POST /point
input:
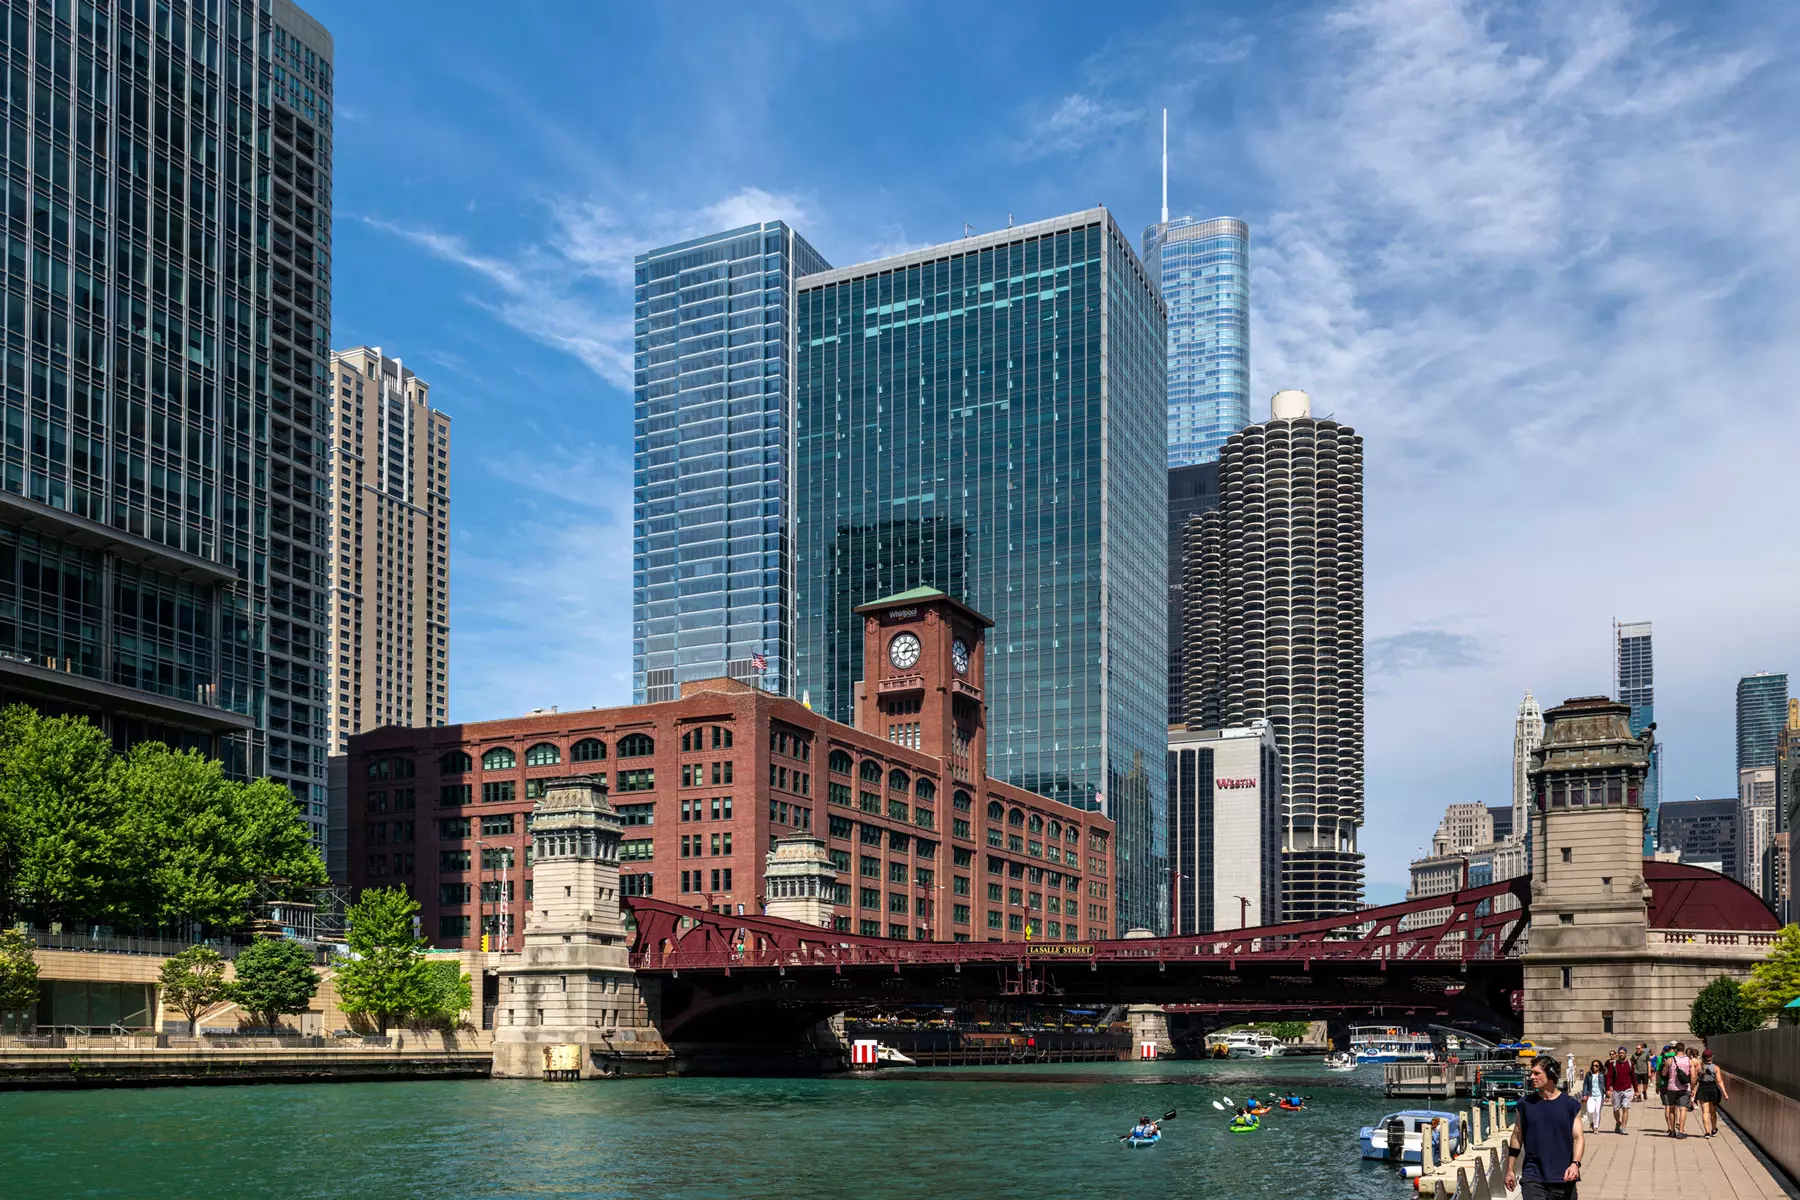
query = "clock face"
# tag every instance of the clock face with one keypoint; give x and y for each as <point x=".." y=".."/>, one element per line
<point x="959" y="656"/>
<point x="903" y="651"/>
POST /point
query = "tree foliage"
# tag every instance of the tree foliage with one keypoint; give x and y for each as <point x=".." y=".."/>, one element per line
<point x="1776" y="979"/>
<point x="18" y="971"/>
<point x="147" y="840"/>
<point x="1720" y="1008"/>
<point x="1289" y="1031"/>
<point x="385" y="977"/>
<point x="275" y="977"/>
<point x="449" y="994"/>
<point x="193" y="981"/>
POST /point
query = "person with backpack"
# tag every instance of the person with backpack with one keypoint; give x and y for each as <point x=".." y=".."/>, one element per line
<point x="1708" y="1091"/>
<point x="1547" y="1135"/>
<point x="1621" y="1086"/>
<point x="1678" y="1082"/>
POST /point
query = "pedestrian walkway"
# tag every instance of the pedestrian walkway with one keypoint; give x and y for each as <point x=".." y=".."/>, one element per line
<point x="1650" y="1165"/>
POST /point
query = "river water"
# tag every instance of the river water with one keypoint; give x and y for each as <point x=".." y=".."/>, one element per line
<point x="1028" y="1132"/>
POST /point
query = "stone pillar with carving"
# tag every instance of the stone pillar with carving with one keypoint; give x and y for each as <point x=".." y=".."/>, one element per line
<point x="799" y="881"/>
<point x="570" y="1001"/>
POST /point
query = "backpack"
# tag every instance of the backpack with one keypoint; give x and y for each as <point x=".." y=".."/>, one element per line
<point x="1678" y="1076"/>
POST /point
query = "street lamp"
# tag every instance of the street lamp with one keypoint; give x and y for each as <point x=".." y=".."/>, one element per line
<point x="506" y="857"/>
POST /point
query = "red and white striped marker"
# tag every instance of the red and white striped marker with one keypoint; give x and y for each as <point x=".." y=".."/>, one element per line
<point x="1146" y="1050"/>
<point x="862" y="1053"/>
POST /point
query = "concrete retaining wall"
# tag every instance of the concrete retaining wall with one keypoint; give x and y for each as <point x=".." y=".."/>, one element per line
<point x="1762" y="1071"/>
<point x="32" y="1068"/>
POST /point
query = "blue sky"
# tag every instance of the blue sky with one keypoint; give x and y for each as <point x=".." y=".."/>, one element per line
<point x="1541" y="255"/>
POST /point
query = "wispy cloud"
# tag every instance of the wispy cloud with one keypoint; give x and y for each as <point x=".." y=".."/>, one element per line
<point x="1076" y="122"/>
<point x="571" y="288"/>
<point x="1423" y="650"/>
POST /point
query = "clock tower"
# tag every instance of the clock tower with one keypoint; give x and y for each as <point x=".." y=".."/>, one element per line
<point x="924" y="663"/>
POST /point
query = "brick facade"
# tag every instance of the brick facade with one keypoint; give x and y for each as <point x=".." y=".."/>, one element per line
<point x="926" y="845"/>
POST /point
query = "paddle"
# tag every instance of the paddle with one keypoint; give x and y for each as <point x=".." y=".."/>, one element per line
<point x="1166" y="1117"/>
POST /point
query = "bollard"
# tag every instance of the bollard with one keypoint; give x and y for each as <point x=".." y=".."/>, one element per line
<point x="1483" y="1190"/>
<point x="1427" y="1150"/>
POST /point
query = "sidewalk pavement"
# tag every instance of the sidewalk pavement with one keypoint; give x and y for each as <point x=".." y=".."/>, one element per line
<point x="1647" y="1164"/>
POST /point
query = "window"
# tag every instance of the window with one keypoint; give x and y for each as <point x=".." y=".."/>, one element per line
<point x="544" y="754"/>
<point x="1015" y="922"/>
<point x="996" y="811"/>
<point x="839" y="793"/>
<point x="840" y="859"/>
<point x="1606" y="1024"/>
<point x="995" y="838"/>
<point x="535" y="789"/>
<point x="637" y="814"/>
<point x="959" y="914"/>
<point x="925" y="848"/>
<point x="869" y="835"/>
<point x="898" y="781"/>
<point x="871" y="770"/>
<point x="1566" y="918"/>
<point x="959" y="827"/>
<point x="636" y="745"/>
<point x="869" y="928"/>
<point x="497" y="792"/>
<point x="453" y="793"/>
<point x="1073" y="836"/>
<point x="899" y="842"/>
<point x="591" y="750"/>
<point x="840" y="762"/>
<point x="897" y="872"/>
<point x="498" y="759"/>
<point x="994" y="893"/>
<point x="1567" y="854"/>
<point x="897" y="810"/>
<point x="923" y="877"/>
<point x="993" y="920"/>
<point x="637" y="885"/>
<point x="962" y="857"/>
<point x="496" y="860"/>
<point x="839" y="827"/>
<point x="450" y="861"/>
<point x="453" y="827"/>
<point x="637" y="849"/>
<point x="868" y="897"/>
<point x="925" y="790"/>
<point x="1016" y="817"/>
<point x="870" y="867"/>
<point x="453" y="927"/>
<point x="643" y="779"/>
<point x="391" y="768"/>
<point x="1568" y="978"/>
<point x="454" y="763"/>
<point x="492" y="826"/>
<point x="924" y="818"/>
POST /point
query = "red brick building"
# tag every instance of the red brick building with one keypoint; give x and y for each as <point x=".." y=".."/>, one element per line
<point x="926" y="845"/>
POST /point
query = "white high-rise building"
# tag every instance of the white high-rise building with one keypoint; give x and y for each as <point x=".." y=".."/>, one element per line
<point x="1528" y="735"/>
<point x="1755" y="824"/>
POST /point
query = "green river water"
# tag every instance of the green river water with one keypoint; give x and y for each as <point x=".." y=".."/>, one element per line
<point x="1029" y="1131"/>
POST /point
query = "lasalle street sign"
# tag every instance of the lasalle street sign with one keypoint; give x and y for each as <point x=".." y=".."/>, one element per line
<point x="1057" y="949"/>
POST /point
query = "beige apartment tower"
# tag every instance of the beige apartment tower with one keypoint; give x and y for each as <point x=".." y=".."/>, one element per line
<point x="390" y="557"/>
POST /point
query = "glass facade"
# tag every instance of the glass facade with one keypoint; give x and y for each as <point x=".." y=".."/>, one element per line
<point x="1761" y="712"/>
<point x="166" y="314"/>
<point x="1203" y="270"/>
<point x="1634" y="681"/>
<point x="712" y="567"/>
<point x="986" y="418"/>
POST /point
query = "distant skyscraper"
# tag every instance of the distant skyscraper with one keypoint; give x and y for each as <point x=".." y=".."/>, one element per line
<point x="1192" y="491"/>
<point x="1761" y="712"/>
<point x="162" y="504"/>
<point x="1224" y="828"/>
<point x="712" y="568"/>
<point x="1634" y="683"/>
<point x="390" y="522"/>
<point x="1705" y="832"/>
<point x="986" y="417"/>
<point x="1275" y="599"/>
<point x="1755" y="826"/>
<point x="1203" y="271"/>
<point x="1528" y="735"/>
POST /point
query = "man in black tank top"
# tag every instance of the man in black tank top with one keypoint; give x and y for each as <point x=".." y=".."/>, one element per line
<point x="1547" y="1136"/>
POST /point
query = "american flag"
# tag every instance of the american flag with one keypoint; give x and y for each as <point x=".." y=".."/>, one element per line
<point x="759" y="662"/>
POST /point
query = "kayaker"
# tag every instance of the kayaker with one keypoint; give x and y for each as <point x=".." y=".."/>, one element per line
<point x="1296" y="1101"/>
<point x="1144" y="1128"/>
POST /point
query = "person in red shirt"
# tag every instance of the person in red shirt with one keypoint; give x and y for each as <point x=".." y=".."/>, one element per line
<point x="1621" y="1086"/>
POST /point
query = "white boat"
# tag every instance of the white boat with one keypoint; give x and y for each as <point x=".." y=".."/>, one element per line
<point x="887" y="1056"/>
<point x="1340" y="1060"/>
<point x="1389" y="1044"/>
<point x="1242" y="1044"/>
<point x="1269" y="1046"/>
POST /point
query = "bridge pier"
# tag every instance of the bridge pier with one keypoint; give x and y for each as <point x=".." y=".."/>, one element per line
<point x="1149" y="1023"/>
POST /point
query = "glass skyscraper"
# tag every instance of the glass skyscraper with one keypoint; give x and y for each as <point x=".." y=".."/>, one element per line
<point x="1634" y="682"/>
<point x="712" y="568"/>
<point x="986" y="417"/>
<point x="1761" y="712"/>
<point x="1203" y="270"/>
<point x="163" y="519"/>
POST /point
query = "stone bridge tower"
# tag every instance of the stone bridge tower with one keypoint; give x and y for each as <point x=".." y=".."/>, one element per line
<point x="570" y="1002"/>
<point x="799" y="881"/>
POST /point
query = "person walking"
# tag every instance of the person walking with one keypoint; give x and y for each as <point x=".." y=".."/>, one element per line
<point x="1640" y="1070"/>
<point x="1621" y="1086"/>
<point x="1709" y="1089"/>
<point x="1547" y="1136"/>
<point x="1678" y="1081"/>
<point x="1593" y="1093"/>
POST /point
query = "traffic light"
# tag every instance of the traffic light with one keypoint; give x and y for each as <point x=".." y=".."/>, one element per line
<point x="484" y="943"/>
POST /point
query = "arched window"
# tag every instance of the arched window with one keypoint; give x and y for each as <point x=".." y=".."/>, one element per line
<point x="498" y="759"/>
<point x="1037" y="823"/>
<point x="1072" y="836"/>
<point x="961" y="801"/>
<point x="587" y="750"/>
<point x="1016" y="817"/>
<point x="636" y="745"/>
<point x="925" y="790"/>
<point x="454" y="763"/>
<point x="841" y="762"/>
<point x="544" y="754"/>
<point x="1055" y="830"/>
<point x="995" y="811"/>
<point x="871" y="770"/>
<point x="898" y="781"/>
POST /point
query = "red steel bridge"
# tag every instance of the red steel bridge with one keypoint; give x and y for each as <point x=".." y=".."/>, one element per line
<point x="1452" y="958"/>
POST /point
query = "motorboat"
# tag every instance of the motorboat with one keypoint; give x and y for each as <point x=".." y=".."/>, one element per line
<point x="887" y="1056"/>
<point x="1340" y="1060"/>
<point x="1389" y="1044"/>
<point x="1399" y="1137"/>
<point x="1241" y="1044"/>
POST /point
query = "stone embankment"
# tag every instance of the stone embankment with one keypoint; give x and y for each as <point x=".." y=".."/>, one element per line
<point x="92" y="1062"/>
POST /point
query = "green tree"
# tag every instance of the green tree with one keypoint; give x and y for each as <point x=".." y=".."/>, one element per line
<point x="202" y="844"/>
<point x="448" y="995"/>
<point x="385" y="977"/>
<point x="192" y="982"/>
<point x="1720" y="1008"/>
<point x="274" y="977"/>
<point x="1289" y="1031"/>
<point x="18" y="972"/>
<point x="58" y="834"/>
<point x="1776" y="979"/>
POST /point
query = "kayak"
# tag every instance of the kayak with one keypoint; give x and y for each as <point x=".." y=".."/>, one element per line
<point x="1260" y="1112"/>
<point x="1291" y="1107"/>
<point x="1136" y="1142"/>
<point x="1237" y="1128"/>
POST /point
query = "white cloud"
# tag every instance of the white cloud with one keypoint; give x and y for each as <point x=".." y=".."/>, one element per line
<point x="1077" y="122"/>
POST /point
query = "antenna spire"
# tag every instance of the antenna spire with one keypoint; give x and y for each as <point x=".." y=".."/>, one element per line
<point x="1165" y="203"/>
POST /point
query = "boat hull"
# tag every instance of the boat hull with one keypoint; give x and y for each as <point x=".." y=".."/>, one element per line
<point x="1139" y="1143"/>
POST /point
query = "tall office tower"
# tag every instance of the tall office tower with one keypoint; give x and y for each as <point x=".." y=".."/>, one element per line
<point x="1703" y="833"/>
<point x="986" y="418"/>
<point x="1634" y="684"/>
<point x="1192" y="491"/>
<point x="712" y="572"/>
<point x="1202" y="269"/>
<point x="1755" y="826"/>
<point x="1275" y="577"/>
<point x="390" y="517"/>
<point x="1762" y="702"/>
<point x="1224" y="828"/>
<point x="162" y="542"/>
<point x="1528" y="735"/>
<point x="1787" y="800"/>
